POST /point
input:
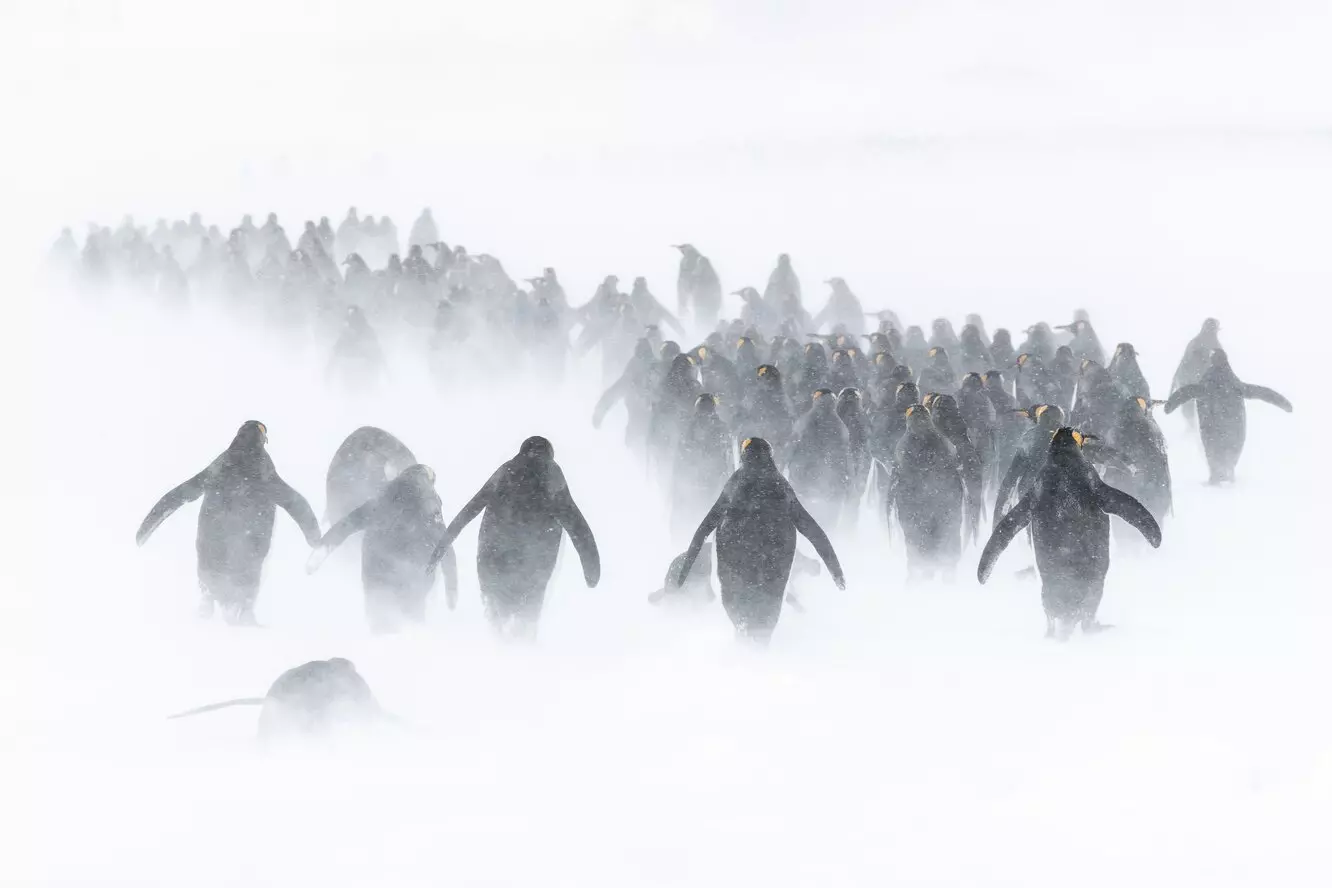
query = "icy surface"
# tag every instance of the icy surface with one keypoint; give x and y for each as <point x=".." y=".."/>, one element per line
<point x="923" y="736"/>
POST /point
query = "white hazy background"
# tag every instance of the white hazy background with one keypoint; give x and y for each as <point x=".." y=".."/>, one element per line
<point x="1153" y="162"/>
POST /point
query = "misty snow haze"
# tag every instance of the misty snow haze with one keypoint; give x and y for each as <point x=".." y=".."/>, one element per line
<point x="1155" y="164"/>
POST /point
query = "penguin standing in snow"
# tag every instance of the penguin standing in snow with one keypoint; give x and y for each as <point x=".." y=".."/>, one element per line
<point x="1220" y="396"/>
<point x="1068" y="509"/>
<point x="528" y="508"/>
<point x="756" y="520"/>
<point x="241" y="491"/>
<point x="403" y="526"/>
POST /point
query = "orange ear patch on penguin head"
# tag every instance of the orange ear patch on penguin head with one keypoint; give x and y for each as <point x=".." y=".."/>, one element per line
<point x="744" y="445"/>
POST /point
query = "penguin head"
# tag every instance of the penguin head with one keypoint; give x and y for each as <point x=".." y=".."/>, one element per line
<point x="942" y="406"/>
<point x="918" y="419"/>
<point x="252" y="435"/>
<point x="1211" y="327"/>
<point x="906" y="394"/>
<point x="849" y="395"/>
<point x="1066" y="446"/>
<point x="418" y="477"/>
<point x="1220" y="359"/>
<point x="971" y="383"/>
<point x="1081" y="317"/>
<point x="1048" y="416"/>
<point x="784" y="260"/>
<point x="815" y="354"/>
<point x="879" y="343"/>
<point x="537" y="448"/>
<point x="1003" y="338"/>
<point x="1064" y="355"/>
<point x="1026" y="359"/>
<point x="756" y="452"/>
<point x="705" y="403"/>
<point x="769" y="375"/>
<point x="915" y="338"/>
<point x="823" y="399"/>
<point x="669" y="351"/>
<point x="974" y="320"/>
<point x="971" y="336"/>
<point x="901" y="373"/>
<point x="682" y="367"/>
<point x="1125" y="351"/>
<point x="640" y="286"/>
<point x="941" y="327"/>
<point x="939" y="356"/>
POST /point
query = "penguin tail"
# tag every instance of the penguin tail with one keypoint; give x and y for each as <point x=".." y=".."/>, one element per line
<point x="240" y="701"/>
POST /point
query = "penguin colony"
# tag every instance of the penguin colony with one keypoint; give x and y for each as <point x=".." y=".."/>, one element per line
<point x="777" y="424"/>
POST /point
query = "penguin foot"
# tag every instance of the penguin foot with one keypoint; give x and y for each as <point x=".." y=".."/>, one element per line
<point x="1093" y="627"/>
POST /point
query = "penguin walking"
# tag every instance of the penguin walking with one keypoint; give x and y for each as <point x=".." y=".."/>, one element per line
<point x="1143" y="445"/>
<point x="528" y="507"/>
<point x="820" y="463"/>
<point x="756" y="520"/>
<point x="1068" y="509"/>
<point x="1220" y="396"/>
<point x="851" y="411"/>
<point x="1126" y="373"/>
<point x="241" y="491"/>
<point x="1196" y="360"/>
<point x="402" y="526"/>
<point x="926" y="490"/>
<point x="704" y="460"/>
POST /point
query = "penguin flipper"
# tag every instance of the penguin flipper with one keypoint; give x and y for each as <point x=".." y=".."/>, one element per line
<point x="1263" y="393"/>
<point x="1182" y="396"/>
<point x="475" y="506"/>
<point x="298" y="507"/>
<point x="354" y="521"/>
<point x="1011" y="478"/>
<point x="1004" y="531"/>
<point x="240" y="701"/>
<point x="187" y="492"/>
<point x="710" y="522"/>
<point x="810" y="530"/>
<point x="574" y="524"/>
<point x="1114" y="501"/>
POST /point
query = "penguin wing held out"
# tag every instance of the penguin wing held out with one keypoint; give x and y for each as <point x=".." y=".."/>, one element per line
<point x="566" y="512"/>
<point x="354" y="521"/>
<point x="178" y="496"/>
<point x="805" y="525"/>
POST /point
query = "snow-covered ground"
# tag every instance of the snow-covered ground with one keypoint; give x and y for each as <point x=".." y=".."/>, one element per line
<point x="923" y="736"/>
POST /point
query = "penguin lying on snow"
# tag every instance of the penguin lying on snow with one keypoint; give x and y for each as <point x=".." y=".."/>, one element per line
<point x="310" y="699"/>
